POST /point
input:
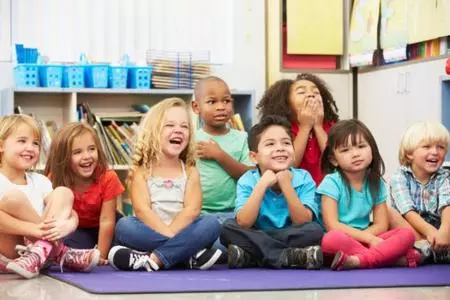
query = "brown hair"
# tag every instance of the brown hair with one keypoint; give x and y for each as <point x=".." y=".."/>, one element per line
<point x="275" y="100"/>
<point x="58" y="166"/>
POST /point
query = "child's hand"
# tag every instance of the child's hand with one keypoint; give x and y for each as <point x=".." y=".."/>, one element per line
<point x="268" y="179"/>
<point x="208" y="150"/>
<point x="102" y="261"/>
<point x="284" y="178"/>
<point x="318" y="120"/>
<point x="55" y="229"/>
<point x="306" y="114"/>
<point x="375" y="241"/>
<point x="441" y="240"/>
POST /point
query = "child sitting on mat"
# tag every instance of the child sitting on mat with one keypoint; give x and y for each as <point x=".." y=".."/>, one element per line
<point x="275" y="206"/>
<point x="420" y="189"/>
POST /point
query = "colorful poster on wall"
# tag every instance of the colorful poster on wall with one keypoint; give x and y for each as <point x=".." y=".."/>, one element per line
<point x="363" y="26"/>
<point x="428" y="19"/>
<point x="363" y="31"/>
<point x="311" y="29"/>
<point x="394" y="24"/>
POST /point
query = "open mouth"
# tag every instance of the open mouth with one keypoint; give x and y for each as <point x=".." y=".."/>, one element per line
<point x="27" y="157"/>
<point x="86" y="166"/>
<point x="280" y="158"/>
<point x="176" y="141"/>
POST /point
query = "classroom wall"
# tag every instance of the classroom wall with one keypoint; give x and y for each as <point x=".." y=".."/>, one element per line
<point x="339" y="82"/>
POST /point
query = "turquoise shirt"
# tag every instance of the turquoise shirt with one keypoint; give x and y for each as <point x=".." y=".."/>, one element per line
<point x="355" y="210"/>
<point x="219" y="188"/>
<point x="274" y="212"/>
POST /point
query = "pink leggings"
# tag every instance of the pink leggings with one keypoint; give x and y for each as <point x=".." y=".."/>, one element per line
<point x="397" y="243"/>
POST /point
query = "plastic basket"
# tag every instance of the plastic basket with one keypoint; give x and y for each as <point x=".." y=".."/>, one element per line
<point x="51" y="75"/>
<point x="73" y="76"/>
<point x="139" y="77"/>
<point x="96" y="76"/>
<point x="26" y="75"/>
<point x="118" y="76"/>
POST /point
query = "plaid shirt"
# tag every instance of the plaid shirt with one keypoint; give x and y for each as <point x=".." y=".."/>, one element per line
<point x="408" y="193"/>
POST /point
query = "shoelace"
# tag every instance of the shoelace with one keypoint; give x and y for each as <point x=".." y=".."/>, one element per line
<point x="24" y="250"/>
<point x="138" y="261"/>
<point x="29" y="256"/>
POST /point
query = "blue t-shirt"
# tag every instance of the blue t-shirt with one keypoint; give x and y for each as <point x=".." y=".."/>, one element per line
<point x="274" y="212"/>
<point x="353" y="210"/>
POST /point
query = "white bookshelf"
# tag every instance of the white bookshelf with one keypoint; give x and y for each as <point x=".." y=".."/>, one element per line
<point x="60" y="104"/>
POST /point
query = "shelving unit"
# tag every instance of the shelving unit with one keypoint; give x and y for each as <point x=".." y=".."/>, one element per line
<point x="60" y="104"/>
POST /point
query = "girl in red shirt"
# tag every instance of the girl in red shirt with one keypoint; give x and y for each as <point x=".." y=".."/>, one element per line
<point x="76" y="160"/>
<point x="312" y="111"/>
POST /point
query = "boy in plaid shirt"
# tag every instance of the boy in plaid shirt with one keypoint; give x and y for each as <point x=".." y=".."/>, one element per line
<point x="420" y="188"/>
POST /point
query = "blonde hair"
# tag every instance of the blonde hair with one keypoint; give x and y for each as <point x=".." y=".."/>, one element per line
<point x="421" y="132"/>
<point x="147" y="147"/>
<point x="9" y="124"/>
<point x="58" y="167"/>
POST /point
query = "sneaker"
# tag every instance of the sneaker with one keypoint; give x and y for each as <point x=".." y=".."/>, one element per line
<point x="204" y="259"/>
<point x="79" y="260"/>
<point x="126" y="259"/>
<point x="441" y="257"/>
<point x="308" y="258"/>
<point x="32" y="261"/>
<point x="424" y="249"/>
<point x="239" y="258"/>
<point x="338" y="261"/>
<point x="3" y="262"/>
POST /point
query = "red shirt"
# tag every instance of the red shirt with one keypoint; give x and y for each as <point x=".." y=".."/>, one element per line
<point x="311" y="158"/>
<point x="88" y="205"/>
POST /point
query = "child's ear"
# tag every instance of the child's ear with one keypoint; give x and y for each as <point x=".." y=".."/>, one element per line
<point x="195" y="107"/>
<point x="333" y="161"/>
<point x="252" y="155"/>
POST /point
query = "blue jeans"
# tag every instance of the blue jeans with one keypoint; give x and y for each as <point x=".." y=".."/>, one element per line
<point x="201" y="233"/>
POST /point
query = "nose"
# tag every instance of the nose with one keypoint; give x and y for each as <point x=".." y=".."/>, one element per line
<point x="434" y="149"/>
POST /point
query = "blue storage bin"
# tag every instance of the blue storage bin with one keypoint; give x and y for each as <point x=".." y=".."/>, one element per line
<point x="51" y="75"/>
<point x="96" y="76"/>
<point x="73" y="76"/>
<point x="139" y="77"/>
<point x="118" y="76"/>
<point x="26" y="75"/>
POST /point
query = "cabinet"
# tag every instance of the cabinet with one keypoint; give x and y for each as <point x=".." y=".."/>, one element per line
<point x="392" y="98"/>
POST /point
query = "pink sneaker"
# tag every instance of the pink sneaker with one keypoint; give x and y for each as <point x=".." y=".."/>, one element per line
<point x="30" y="263"/>
<point x="80" y="260"/>
<point x="338" y="261"/>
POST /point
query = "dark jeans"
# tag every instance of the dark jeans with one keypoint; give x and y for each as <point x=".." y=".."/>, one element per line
<point x="85" y="238"/>
<point x="266" y="247"/>
<point x="431" y="219"/>
<point x="133" y="233"/>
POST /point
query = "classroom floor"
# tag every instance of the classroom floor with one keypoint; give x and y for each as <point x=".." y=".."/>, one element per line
<point x="45" y="288"/>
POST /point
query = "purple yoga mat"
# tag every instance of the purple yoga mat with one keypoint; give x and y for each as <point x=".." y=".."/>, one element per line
<point x="105" y="280"/>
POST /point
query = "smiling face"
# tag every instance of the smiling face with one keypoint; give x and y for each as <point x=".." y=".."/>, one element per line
<point x="427" y="158"/>
<point x="353" y="157"/>
<point x="84" y="155"/>
<point x="20" y="150"/>
<point x="175" y="132"/>
<point x="275" y="150"/>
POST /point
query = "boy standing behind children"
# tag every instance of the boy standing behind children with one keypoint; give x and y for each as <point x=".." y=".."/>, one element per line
<point x="275" y="206"/>
<point x="420" y="188"/>
<point x="222" y="152"/>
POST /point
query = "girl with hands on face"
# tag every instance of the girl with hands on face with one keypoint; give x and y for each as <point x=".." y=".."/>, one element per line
<point x="309" y="106"/>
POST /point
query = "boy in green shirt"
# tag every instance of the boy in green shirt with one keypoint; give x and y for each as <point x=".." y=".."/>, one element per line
<point x="222" y="152"/>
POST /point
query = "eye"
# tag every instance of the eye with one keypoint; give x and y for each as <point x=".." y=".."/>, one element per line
<point x="210" y="101"/>
<point x="169" y="125"/>
<point x="75" y="152"/>
<point x="185" y="126"/>
<point x="426" y="146"/>
<point x="92" y="148"/>
<point x="36" y="143"/>
<point x="287" y="143"/>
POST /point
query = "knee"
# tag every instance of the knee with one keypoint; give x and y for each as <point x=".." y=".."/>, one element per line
<point x="315" y="229"/>
<point x="65" y="194"/>
<point x="331" y="238"/>
<point x="407" y="234"/>
<point x="211" y="223"/>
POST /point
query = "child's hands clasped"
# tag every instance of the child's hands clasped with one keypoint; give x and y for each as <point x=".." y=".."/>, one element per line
<point x="208" y="150"/>
<point x="268" y="179"/>
<point x="440" y="240"/>
<point x="55" y="229"/>
<point x="284" y="178"/>
<point x="312" y="113"/>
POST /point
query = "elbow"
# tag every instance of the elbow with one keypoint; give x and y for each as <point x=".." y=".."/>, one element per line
<point x="243" y="222"/>
<point x="194" y="212"/>
<point x="329" y="226"/>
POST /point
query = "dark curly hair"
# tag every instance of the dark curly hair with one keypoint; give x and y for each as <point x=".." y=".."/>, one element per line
<point x="275" y="100"/>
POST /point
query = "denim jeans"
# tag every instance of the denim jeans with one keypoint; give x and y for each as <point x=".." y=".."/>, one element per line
<point x="201" y="233"/>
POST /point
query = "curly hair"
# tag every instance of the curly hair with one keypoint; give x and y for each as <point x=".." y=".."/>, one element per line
<point x="147" y="147"/>
<point x="275" y="100"/>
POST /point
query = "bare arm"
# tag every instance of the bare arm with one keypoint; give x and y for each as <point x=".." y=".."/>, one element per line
<point x="192" y="203"/>
<point x="380" y="220"/>
<point x="234" y="168"/>
<point x="300" y="142"/>
<point x="420" y="225"/>
<point x="107" y="224"/>
<point x="11" y="225"/>
<point x="299" y="213"/>
<point x="331" y="221"/>
<point x="321" y="135"/>
<point x="140" y="199"/>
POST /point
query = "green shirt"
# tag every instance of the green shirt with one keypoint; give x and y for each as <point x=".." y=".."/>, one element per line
<point x="219" y="188"/>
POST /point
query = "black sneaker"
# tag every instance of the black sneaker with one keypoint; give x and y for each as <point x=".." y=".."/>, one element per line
<point x="126" y="259"/>
<point x="304" y="258"/>
<point x="204" y="259"/>
<point x="239" y="258"/>
<point x="441" y="257"/>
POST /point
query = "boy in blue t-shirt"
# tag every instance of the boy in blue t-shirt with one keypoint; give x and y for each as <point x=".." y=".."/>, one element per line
<point x="275" y="206"/>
